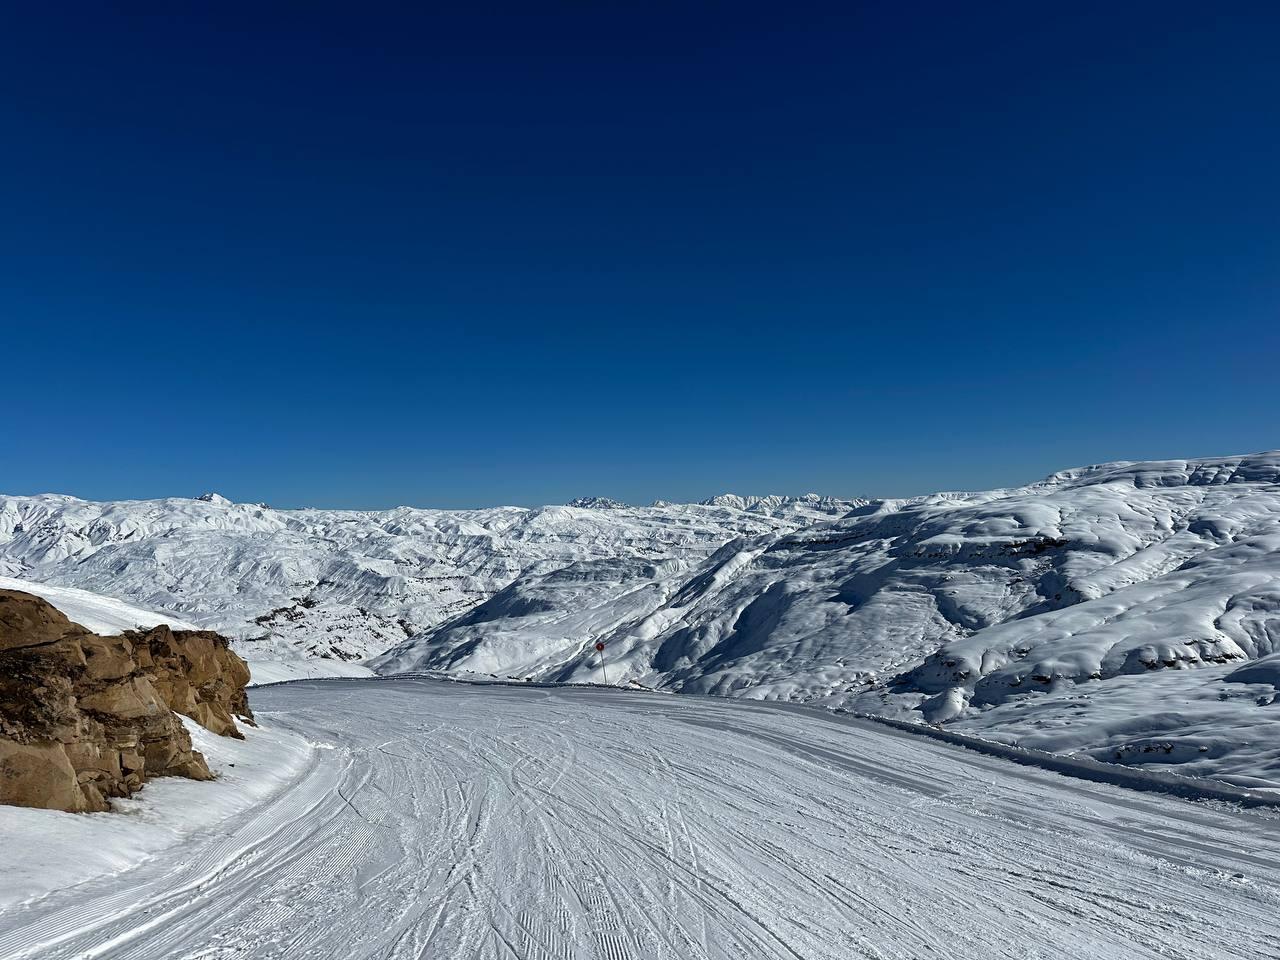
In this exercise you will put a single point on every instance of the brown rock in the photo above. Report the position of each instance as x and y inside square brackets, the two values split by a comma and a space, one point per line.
[41, 775]
[131, 698]
[107, 658]
[24, 624]
[198, 676]
[85, 717]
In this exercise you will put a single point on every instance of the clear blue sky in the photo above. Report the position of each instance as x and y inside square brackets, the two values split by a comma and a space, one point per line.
[361, 256]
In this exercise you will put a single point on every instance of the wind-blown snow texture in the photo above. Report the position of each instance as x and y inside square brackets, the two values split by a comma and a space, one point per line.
[1125, 611]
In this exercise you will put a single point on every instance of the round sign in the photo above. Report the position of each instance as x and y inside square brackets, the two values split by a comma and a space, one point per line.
[599, 646]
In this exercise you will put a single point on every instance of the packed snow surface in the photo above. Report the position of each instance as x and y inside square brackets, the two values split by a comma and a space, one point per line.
[446, 820]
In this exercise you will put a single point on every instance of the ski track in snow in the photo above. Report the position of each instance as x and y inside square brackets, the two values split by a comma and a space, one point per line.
[449, 821]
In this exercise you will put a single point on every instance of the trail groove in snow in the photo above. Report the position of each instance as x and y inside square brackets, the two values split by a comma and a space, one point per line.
[452, 821]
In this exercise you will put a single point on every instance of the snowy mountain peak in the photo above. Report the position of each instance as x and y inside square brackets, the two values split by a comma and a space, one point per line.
[212, 497]
[774, 503]
[596, 503]
[736, 501]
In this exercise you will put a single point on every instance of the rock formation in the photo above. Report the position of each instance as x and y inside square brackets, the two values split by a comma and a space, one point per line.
[85, 717]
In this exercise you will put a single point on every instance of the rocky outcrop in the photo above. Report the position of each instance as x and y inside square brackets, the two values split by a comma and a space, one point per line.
[197, 675]
[84, 717]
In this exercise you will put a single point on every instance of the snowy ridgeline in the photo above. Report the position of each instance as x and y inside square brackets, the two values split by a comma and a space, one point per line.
[1128, 611]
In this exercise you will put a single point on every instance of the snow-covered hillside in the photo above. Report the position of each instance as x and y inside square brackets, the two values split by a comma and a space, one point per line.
[342, 585]
[1182, 553]
[1039, 614]
[1129, 611]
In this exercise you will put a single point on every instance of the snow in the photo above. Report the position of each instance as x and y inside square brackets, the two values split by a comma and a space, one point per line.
[280, 671]
[339, 585]
[1084, 605]
[1070, 613]
[43, 851]
[449, 820]
[1264, 671]
[101, 614]
[596, 503]
[1205, 722]
[810, 504]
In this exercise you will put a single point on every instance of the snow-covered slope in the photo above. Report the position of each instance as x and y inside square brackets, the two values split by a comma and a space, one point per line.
[42, 851]
[343, 585]
[1011, 612]
[105, 615]
[442, 820]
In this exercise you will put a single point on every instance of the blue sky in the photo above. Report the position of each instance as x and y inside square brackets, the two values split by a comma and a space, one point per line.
[341, 257]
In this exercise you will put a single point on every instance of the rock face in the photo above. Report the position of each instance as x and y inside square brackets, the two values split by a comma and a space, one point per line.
[197, 675]
[84, 717]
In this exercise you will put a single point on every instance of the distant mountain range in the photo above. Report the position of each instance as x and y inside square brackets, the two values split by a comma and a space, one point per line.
[1130, 610]
[342, 584]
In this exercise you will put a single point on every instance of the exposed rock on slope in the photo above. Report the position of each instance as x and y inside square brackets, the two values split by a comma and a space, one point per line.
[198, 676]
[85, 717]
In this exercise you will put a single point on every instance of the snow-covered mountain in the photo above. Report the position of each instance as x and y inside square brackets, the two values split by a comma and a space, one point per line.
[596, 503]
[341, 585]
[1130, 611]
[1107, 610]
[922, 583]
[810, 505]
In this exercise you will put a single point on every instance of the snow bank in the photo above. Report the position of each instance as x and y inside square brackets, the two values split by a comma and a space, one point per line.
[46, 850]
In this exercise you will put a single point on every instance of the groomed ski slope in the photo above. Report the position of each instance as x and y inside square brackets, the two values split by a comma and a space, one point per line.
[451, 821]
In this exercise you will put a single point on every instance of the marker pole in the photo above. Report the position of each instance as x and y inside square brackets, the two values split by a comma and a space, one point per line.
[603, 671]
